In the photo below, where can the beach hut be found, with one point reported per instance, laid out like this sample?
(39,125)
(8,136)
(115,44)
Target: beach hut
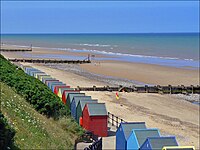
(138,137)
(56,88)
(178,148)
(47,81)
(29,70)
(95,119)
(74,104)
(54,85)
(44,79)
(80,107)
(34,71)
(44,76)
(70,97)
(61,90)
(26,67)
(157,143)
(124,131)
(40,74)
(65,94)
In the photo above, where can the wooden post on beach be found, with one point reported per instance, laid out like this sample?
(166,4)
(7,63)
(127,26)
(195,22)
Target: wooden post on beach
(146,88)
(192,89)
(94,88)
(183,90)
(170,89)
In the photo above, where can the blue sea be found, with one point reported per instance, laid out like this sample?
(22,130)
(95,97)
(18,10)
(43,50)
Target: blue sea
(168,49)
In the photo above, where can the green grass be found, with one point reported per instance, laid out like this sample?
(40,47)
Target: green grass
(33,130)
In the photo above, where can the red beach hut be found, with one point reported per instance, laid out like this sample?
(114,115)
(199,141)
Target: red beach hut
(95,119)
(59,86)
(65,93)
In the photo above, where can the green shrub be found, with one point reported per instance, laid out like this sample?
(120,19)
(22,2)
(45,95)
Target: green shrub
(7,134)
(33,90)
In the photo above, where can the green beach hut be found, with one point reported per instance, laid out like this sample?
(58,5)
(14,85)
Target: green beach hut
(70,97)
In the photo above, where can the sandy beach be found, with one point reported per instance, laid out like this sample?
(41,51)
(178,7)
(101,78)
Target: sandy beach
(158,111)
(172,115)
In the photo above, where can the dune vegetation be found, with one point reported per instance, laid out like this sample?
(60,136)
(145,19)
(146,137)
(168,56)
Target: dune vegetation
(38,117)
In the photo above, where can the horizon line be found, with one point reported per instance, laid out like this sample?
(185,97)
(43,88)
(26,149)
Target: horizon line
(113,33)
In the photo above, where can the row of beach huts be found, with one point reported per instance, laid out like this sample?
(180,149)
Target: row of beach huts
(136,136)
(93,117)
(88,113)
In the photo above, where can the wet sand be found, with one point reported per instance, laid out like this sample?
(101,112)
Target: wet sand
(144,73)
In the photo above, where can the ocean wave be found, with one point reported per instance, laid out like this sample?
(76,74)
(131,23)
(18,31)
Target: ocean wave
(12,45)
(103,52)
(130,55)
(94,45)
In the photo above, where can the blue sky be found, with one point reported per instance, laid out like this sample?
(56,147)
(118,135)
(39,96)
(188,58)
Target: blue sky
(99,17)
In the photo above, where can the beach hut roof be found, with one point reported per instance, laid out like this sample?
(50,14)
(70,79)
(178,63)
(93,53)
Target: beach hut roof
(50,79)
(71,95)
(71,92)
(142,134)
(76,99)
(84,102)
(55,83)
(65,89)
(97,109)
(159,142)
(129,126)
(46,76)
(36,71)
(40,73)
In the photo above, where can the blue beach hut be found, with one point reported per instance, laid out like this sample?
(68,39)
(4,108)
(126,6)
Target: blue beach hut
(35,72)
(32,70)
(138,137)
(75,102)
(157,143)
(60,84)
(54,83)
(44,79)
(124,131)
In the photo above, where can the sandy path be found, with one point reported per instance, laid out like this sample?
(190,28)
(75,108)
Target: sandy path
(171,115)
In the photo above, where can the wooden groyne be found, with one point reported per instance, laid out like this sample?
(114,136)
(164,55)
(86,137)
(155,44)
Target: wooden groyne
(180,89)
(15,50)
(50,61)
